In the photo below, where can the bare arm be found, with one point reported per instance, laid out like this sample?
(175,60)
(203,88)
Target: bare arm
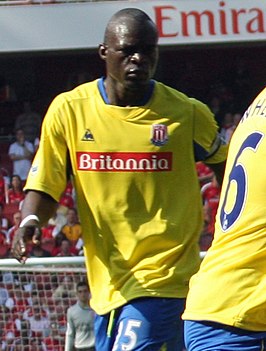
(40,204)
(43,207)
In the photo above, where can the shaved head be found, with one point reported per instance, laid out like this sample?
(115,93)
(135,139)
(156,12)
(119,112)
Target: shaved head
(120,20)
(130,51)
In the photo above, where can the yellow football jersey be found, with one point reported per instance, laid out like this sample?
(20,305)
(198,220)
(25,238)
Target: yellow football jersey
(231,283)
(136,186)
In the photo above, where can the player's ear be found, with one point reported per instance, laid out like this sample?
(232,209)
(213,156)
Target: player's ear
(102,50)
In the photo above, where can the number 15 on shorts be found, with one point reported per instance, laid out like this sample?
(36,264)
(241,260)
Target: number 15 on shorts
(127,335)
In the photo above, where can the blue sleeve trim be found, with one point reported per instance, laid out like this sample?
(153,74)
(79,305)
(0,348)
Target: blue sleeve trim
(200,154)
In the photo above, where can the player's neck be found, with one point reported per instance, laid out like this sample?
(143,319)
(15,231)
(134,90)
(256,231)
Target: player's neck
(114,93)
(83,304)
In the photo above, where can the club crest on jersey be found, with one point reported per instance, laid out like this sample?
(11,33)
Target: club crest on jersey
(88,136)
(159,135)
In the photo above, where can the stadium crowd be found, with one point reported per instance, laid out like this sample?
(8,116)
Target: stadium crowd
(33,309)
(33,306)
(62,236)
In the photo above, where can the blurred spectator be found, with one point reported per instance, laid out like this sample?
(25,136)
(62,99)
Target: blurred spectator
(4,294)
(36,144)
(21,153)
(11,231)
(36,344)
(210,190)
(2,190)
(229,132)
(3,242)
(29,121)
(10,332)
(69,190)
(72,229)
(206,236)
(17,303)
(35,301)
(60,312)
(4,225)
(15,194)
(48,237)
(39,323)
(67,201)
(8,278)
(4,182)
(66,289)
(226,124)
(67,198)
(59,220)
(22,342)
(54,342)
(3,239)
(66,248)
(57,243)
(215,105)
(26,281)
(48,232)
(38,251)
(204,173)
(210,196)
(4,247)
(79,247)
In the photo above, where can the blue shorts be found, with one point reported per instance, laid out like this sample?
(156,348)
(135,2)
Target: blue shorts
(149,324)
(211,336)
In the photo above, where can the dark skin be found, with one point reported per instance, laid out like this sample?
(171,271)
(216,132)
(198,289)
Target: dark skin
(44,207)
(130,52)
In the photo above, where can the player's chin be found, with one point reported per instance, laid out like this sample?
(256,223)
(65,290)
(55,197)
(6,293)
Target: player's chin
(137,84)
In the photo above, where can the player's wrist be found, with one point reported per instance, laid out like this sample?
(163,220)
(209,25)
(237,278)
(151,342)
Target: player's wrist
(29,219)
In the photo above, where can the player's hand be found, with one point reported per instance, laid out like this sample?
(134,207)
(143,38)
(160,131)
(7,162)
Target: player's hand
(22,237)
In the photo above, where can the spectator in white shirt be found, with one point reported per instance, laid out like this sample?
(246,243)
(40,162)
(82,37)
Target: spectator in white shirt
(21,153)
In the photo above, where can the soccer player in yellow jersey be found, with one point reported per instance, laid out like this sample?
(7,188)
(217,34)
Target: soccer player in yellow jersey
(226,305)
(130,144)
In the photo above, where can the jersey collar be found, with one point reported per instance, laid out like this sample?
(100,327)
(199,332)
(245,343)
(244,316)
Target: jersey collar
(103,93)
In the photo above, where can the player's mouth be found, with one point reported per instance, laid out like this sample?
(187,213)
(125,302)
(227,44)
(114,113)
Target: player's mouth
(137,74)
